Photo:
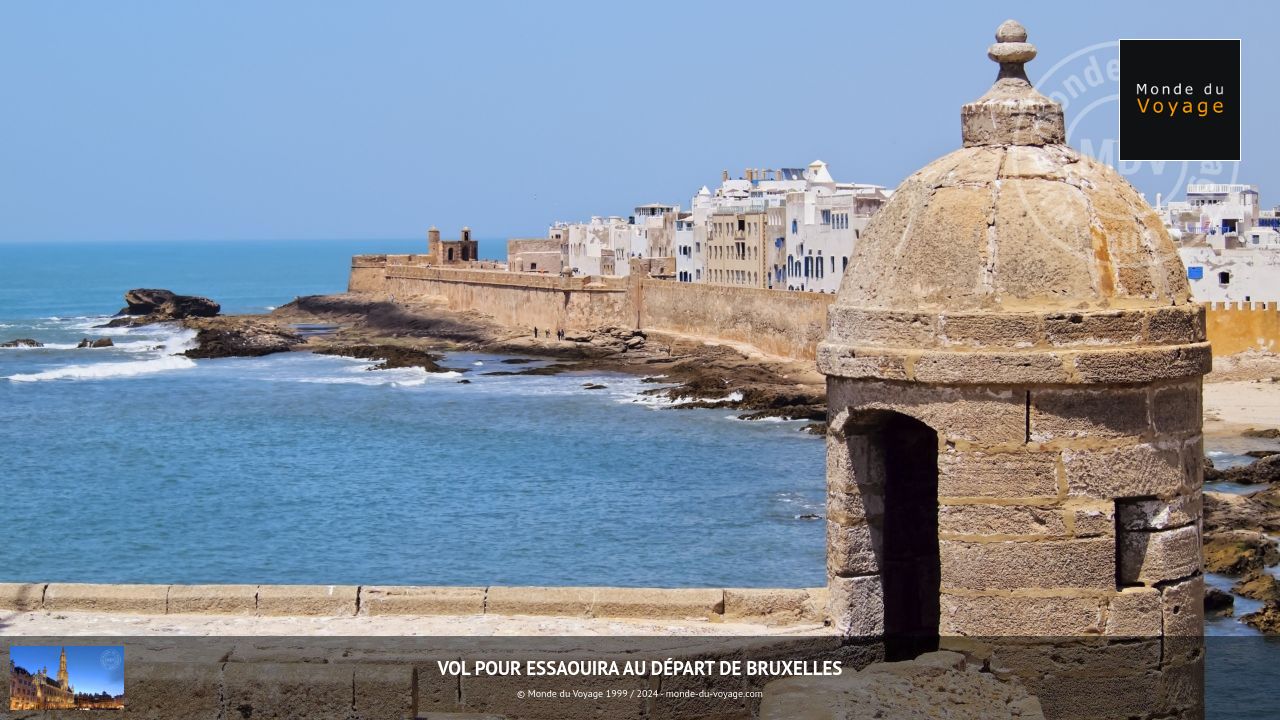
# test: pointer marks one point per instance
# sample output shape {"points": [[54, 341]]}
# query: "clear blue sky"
{"points": [[244, 119], [86, 669]]}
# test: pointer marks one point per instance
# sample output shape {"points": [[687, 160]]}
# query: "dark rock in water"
{"points": [[1216, 601], [1259, 454], [1211, 473], [220, 337], [144, 301], [22, 342], [594, 386], [1258, 472], [819, 429], [516, 361], [392, 356], [464, 381], [99, 343], [1239, 552], [1271, 433], [809, 516], [545, 370], [144, 305], [1267, 619]]}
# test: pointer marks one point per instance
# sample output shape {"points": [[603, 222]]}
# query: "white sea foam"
{"points": [[109, 370], [397, 377]]}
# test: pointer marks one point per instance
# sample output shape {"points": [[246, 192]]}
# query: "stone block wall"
{"points": [[1061, 510], [783, 323], [788, 324]]}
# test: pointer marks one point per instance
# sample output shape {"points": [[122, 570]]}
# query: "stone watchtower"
{"points": [[1014, 380]]}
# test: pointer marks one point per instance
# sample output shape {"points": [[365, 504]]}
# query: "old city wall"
{"points": [[778, 322], [1235, 327]]}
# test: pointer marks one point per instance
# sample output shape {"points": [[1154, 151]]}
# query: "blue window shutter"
{"points": [[1195, 272]]}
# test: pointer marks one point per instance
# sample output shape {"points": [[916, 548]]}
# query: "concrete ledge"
{"points": [[776, 605], [213, 599], [605, 602], [143, 599], [23, 597], [407, 600], [307, 600]]}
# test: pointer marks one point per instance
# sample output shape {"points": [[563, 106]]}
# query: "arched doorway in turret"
{"points": [[894, 464]]}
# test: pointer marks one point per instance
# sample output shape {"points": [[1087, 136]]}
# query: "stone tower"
{"points": [[1014, 374], [64, 681]]}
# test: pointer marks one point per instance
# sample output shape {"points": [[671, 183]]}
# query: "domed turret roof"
{"points": [[1015, 220]]}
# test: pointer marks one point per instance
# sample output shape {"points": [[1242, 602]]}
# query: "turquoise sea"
{"points": [[133, 464]]}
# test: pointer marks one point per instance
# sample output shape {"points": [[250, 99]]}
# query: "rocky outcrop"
{"points": [[166, 305], [1239, 552], [239, 336], [1259, 472], [390, 356], [99, 343], [1258, 586], [1232, 511], [1267, 619], [22, 342]]}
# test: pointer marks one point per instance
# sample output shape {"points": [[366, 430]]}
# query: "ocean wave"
{"points": [[106, 371], [771, 419]]}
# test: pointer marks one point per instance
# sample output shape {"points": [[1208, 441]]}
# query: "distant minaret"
{"points": [[63, 681]]}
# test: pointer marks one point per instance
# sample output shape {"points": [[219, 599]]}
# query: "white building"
{"points": [[1229, 245], [824, 222]]}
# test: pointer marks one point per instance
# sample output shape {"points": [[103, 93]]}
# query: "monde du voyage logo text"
{"points": [[1180, 100]]}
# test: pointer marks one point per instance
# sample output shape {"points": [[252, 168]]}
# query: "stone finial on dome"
{"points": [[1012, 50], [1012, 112]]}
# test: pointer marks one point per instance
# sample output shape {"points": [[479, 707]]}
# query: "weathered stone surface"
{"points": [[985, 415], [22, 597], [213, 599], [1104, 413], [383, 692], [1258, 586], [938, 684], [1176, 324], [142, 599], [1092, 519], [1143, 365], [857, 606], [1154, 556], [301, 691], [392, 600], [1136, 470], [316, 600], [960, 521], [1135, 612], [1094, 329], [1010, 615], [1081, 563], [1159, 514], [1016, 474], [173, 690], [980, 368], [988, 330], [888, 329], [1178, 408], [850, 550], [1045, 248], [605, 602], [776, 604]]}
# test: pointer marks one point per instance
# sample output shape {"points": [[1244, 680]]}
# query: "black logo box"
{"points": [[1184, 68]]}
